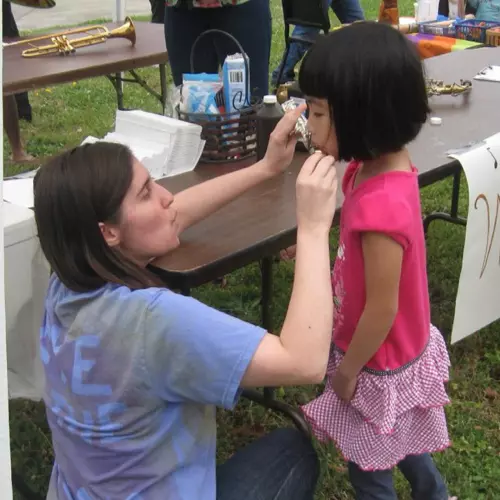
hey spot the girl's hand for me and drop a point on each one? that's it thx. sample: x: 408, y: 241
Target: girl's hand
x: 282, y: 141
x: 344, y: 387
x: 316, y: 193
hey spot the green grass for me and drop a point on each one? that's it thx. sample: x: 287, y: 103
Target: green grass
x: 66, y: 114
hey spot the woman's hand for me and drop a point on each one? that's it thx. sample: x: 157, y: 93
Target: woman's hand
x: 344, y: 387
x: 282, y: 141
x: 316, y: 193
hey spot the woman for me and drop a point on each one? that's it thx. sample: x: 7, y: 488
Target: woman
x: 134, y: 371
x: 249, y: 21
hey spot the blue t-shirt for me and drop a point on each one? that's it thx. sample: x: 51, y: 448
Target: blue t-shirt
x: 132, y: 382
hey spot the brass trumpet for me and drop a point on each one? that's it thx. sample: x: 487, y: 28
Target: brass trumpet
x: 63, y: 46
x: 438, y: 87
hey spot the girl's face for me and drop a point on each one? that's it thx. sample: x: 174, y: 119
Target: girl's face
x: 321, y: 126
x: 147, y: 226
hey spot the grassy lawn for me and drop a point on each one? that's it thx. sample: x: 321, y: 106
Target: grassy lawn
x: 66, y: 114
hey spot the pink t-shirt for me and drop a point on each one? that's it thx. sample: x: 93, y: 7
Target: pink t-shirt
x: 390, y: 204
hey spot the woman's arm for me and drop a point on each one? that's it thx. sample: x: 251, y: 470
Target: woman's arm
x: 300, y: 354
x: 193, y: 352
x: 383, y: 258
x: 198, y: 202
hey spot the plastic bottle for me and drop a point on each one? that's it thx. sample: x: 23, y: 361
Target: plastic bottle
x: 267, y: 118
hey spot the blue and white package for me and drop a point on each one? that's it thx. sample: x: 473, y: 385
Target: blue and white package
x: 236, y: 82
x: 198, y: 93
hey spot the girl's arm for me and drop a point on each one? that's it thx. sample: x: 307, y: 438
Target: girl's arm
x: 383, y: 258
x: 198, y: 202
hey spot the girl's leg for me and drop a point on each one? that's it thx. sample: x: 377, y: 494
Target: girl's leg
x: 282, y: 465
x: 371, y: 485
x: 425, y: 480
x: 255, y: 41
x: 182, y: 28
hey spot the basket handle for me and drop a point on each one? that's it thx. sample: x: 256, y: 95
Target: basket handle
x: 240, y: 48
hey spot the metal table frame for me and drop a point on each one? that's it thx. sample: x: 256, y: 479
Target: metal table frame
x: 117, y: 81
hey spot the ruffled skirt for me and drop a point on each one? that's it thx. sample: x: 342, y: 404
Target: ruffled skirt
x: 392, y: 415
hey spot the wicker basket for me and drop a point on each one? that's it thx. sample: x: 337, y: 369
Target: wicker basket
x: 474, y: 30
x: 229, y: 136
x: 493, y: 37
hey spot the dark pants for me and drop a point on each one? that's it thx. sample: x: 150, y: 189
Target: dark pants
x: 282, y: 465
x: 9, y: 30
x: 249, y: 23
x: 157, y: 11
x: 347, y: 11
x: 419, y: 470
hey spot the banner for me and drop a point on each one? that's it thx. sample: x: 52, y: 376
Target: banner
x: 478, y: 297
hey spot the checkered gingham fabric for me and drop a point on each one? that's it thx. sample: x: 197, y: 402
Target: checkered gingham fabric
x: 392, y: 415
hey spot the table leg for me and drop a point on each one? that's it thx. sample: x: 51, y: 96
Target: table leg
x: 285, y: 409
x: 266, y: 269
x: 118, y: 83
x: 163, y: 85
x: 118, y: 79
x: 453, y: 216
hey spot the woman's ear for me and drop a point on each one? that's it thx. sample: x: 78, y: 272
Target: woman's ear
x: 110, y: 233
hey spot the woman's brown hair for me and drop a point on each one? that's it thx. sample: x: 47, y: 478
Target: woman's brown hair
x: 74, y: 192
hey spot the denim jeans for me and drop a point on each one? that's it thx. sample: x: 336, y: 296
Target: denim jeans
x: 183, y: 25
x: 282, y: 465
x: 419, y: 470
x: 347, y: 11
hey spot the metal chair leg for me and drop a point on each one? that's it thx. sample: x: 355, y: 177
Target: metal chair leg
x: 282, y: 66
x: 453, y: 216
x: 289, y: 411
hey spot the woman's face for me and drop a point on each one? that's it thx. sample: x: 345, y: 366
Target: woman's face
x: 147, y: 226
x: 320, y: 124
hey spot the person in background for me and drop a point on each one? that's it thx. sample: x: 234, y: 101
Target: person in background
x: 13, y: 132
x: 486, y: 10
x: 18, y: 105
x: 347, y: 12
x: 249, y: 21
x: 10, y: 30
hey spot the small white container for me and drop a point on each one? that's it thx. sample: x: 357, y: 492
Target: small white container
x: 427, y: 10
x: 26, y: 280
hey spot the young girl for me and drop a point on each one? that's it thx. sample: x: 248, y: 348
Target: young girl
x: 384, y: 397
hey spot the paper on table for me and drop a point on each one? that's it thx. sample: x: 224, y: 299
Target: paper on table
x: 181, y: 138
x: 490, y: 74
x: 164, y: 145
x: 152, y: 154
x: 185, y: 153
x: 19, y: 192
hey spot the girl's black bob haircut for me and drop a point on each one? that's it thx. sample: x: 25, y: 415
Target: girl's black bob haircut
x: 373, y: 79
